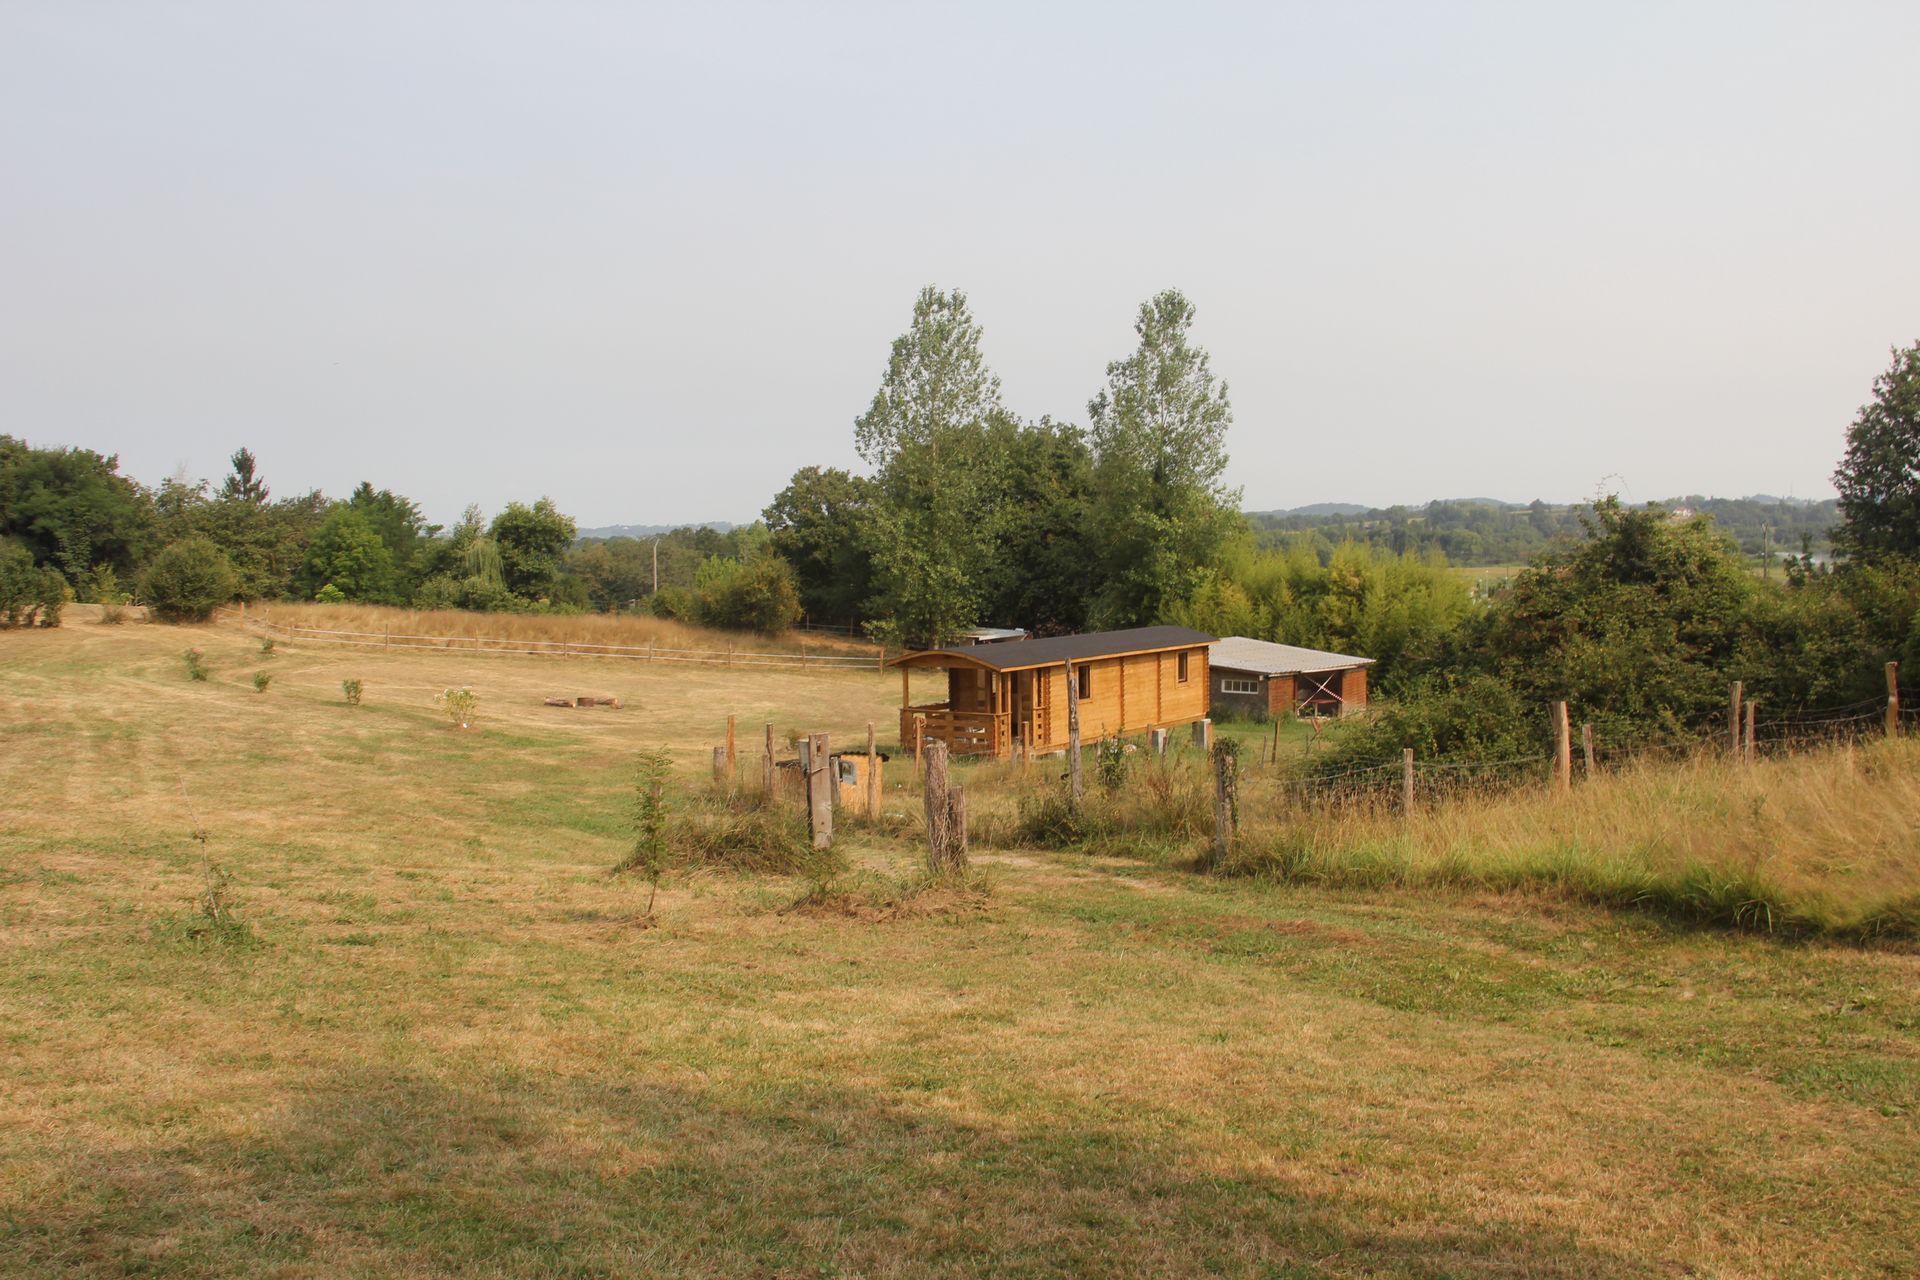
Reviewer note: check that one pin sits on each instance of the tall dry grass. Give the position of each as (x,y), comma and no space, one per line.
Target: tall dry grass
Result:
(632,630)
(1822,842)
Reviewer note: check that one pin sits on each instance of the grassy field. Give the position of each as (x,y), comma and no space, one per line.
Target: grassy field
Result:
(449,1043)
(637,630)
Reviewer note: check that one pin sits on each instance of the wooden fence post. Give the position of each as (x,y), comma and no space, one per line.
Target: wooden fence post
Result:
(819,792)
(920,744)
(1893,699)
(732,759)
(1746,746)
(1406,781)
(1076,782)
(1276,740)
(946,808)
(1733,714)
(1203,735)
(767,774)
(873,775)
(720,766)
(1562,750)
(1225,804)
(1586,749)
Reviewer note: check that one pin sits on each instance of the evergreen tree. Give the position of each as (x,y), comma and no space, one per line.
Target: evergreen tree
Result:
(1879,478)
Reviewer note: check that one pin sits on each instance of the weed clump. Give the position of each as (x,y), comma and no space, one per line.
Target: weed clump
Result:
(875,899)
(460,705)
(351,688)
(260,681)
(196,664)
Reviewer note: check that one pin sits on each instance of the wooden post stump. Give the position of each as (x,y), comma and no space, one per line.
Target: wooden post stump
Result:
(1893,699)
(1586,750)
(946,808)
(819,791)
(1562,750)
(1733,715)
(873,775)
(766,769)
(1406,781)
(1203,735)
(1076,780)
(1226,804)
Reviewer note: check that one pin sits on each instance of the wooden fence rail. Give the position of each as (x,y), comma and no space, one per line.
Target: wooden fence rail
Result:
(560,648)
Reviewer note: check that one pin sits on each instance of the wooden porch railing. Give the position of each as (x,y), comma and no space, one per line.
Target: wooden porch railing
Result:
(980,733)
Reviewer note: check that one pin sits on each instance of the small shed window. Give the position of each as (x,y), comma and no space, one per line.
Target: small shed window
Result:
(1182,665)
(1230,685)
(1084,677)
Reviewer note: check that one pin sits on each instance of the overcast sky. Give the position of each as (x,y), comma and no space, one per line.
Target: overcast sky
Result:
(648,260)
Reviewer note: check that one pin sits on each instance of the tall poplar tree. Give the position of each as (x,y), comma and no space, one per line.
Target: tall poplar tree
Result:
(927,437)
(1161,511)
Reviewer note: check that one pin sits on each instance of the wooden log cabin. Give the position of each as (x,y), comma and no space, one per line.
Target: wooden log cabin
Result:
(1003,697)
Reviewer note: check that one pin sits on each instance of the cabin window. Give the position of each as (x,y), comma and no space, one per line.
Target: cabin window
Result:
(1182,664)
(1083,676)
(1230,685)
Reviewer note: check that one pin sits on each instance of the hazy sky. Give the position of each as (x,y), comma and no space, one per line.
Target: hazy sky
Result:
(648,260)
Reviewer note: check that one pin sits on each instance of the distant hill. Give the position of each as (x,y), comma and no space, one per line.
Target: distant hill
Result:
(652,530)
(1316,509)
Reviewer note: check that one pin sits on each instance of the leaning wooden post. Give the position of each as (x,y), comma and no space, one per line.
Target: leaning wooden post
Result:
(873,775)
(1586,749)
(766,770)
(1225,765)
(733,760)
(1076,783)
(1562,750)
(1406,781)
(819,792)
(1746,741)
(1893,699)
(1276,740)
(1733,713)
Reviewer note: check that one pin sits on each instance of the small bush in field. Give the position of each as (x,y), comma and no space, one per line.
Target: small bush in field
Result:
(460,705)
(196,664)
(260,681)
(351,688)
(266,646)
(649,853)
(188,581)
(1110,760)
(106,591)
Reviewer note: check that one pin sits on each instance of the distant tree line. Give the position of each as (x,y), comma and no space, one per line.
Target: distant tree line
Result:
(1477,533)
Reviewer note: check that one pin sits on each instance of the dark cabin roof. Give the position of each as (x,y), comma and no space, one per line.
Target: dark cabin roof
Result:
(1023,655)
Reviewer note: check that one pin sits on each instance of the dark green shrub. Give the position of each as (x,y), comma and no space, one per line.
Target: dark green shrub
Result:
(196,665)
(351,688)
(260,681)
(188,581)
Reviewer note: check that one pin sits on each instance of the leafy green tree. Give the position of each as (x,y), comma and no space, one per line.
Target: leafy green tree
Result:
(1879,477)
(1161,511)
(617,572)
(758,594)
(1039,579)
(347,554)
(927,436)
(399,524)
(1640,627)
(533,544)
(187,581)
(72,509)
(819,526)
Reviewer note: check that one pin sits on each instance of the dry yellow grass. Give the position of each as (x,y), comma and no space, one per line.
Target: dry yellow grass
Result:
(453,1050)
(632,630)
(1828,839)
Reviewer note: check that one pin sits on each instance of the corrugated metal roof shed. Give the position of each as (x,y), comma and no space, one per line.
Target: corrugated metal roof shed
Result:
(1262,657)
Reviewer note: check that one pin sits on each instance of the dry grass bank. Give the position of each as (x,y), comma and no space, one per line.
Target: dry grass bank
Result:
(632,630)
(443,1043)
(1826,841)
